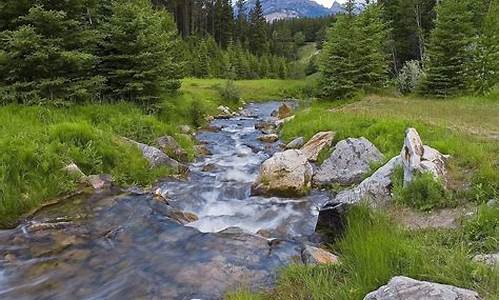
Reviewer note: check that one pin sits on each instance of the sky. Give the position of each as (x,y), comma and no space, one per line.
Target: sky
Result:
(328,3)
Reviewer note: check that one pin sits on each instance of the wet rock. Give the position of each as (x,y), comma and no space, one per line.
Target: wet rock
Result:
(286,173)
(212,128)
(314,256)
(268,138)
(183,217)
(208,168)
(11,258)
(169,146)
(296,143)
(418,158)
(99,182)
(74,171)
(401,287)
(155,156)
(202,150)
(266,127)
(375,189)
(488,259)
(283,111)
(232,230)
(332,220)
(349,162)
(318,142)
(186,129)
(265,233)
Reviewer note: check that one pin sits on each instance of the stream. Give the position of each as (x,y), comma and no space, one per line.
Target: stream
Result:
(114,244)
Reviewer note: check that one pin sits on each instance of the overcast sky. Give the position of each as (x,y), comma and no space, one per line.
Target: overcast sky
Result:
(328,3)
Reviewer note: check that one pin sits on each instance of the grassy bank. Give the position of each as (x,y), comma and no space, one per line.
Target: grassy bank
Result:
(37,141)
(374,247)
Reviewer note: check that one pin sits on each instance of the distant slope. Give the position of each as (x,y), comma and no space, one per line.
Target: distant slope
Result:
(284,9)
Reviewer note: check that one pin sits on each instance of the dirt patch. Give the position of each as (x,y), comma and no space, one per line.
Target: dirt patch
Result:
(446,218)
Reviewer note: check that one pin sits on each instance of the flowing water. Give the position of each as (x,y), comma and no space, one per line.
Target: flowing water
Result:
(125,245)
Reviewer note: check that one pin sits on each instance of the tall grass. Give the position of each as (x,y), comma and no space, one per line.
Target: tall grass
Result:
(372,251)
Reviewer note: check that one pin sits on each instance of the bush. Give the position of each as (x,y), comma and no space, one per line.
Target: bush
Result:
(481,232)
(408,77)
(229,92)
(424,192)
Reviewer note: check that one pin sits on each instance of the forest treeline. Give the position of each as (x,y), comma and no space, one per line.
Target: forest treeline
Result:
(138,50)
(437,49)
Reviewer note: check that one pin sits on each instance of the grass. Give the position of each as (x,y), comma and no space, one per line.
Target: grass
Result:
(374,250)
(474,155)
(36,142)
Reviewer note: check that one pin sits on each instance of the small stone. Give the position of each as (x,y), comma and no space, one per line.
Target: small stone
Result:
(487,259)
(268,138)
(170,147)
(10,258)
(202,150)
(283,111)
(296,143)
(208,168)
(313,256)
(186,129)
(73,170)
(492,203)
(99,182)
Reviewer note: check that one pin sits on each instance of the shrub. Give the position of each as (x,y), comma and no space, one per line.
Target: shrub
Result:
(424,192)
(229,92)
(481,232)
(409,77)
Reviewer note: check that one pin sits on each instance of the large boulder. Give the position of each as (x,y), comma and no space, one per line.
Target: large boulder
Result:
(286,173)
(318,142)
(169,146)
(375,189)
(401,287)
(419,158)
(349,162)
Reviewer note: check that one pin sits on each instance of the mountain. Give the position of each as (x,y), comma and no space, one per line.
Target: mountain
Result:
(284,9)
(337,8)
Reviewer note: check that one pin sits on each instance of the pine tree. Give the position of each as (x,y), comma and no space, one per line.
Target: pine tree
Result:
(258,43)
(448,51)
(49,55)
(140,57)
(339,59)
(241,23)
(354,57)
(482,68)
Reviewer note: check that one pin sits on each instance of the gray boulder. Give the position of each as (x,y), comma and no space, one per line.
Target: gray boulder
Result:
(349,162)
(375,189)
(286,173)
(401,287)
(296,143)
(156,157)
